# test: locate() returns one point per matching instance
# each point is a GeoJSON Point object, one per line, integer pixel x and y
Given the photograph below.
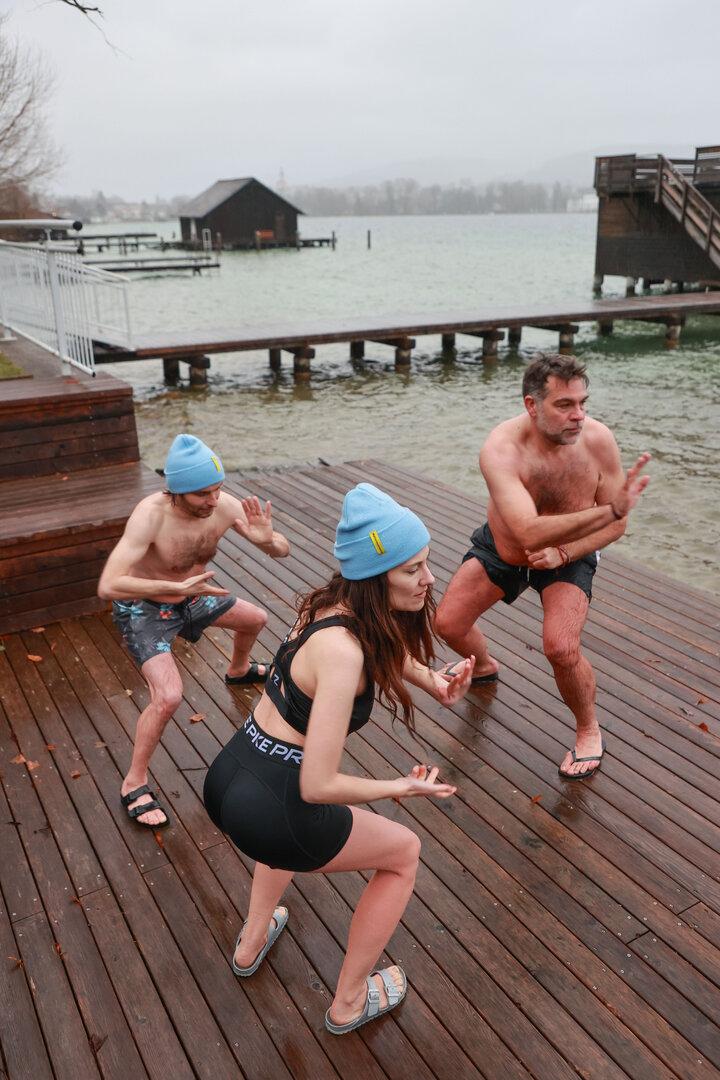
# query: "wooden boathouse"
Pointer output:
{"type": "Point", "coordinates": [240, 212]}
{"type": "Point", "coordinates": [555, 930]}
{"type": "Point", "coordinates": [659, 219]}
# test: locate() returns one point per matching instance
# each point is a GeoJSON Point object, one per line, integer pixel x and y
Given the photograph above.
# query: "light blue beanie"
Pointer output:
{"type": "Point", "coordinates": [191, 466]}
{"type": "Point", "coordinates": [375, 533]}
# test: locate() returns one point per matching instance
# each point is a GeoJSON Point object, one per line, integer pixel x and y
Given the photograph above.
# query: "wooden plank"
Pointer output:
{"type": "Point", "coordinates": [23, 1047]}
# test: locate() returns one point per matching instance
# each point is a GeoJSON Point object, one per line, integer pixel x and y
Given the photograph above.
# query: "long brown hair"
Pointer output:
{"type": "Point", "coordinates": [385, 636]}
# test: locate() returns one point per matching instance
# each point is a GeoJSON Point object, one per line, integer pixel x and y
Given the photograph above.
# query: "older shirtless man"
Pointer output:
{"type": "Point", "coordinates": [159, 586]}
{"type": "Point", "coordinates": [557, 494]}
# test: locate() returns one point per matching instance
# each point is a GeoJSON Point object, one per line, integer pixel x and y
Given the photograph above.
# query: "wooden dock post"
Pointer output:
{"type": "Point", "coordinates": [403, 352]}
{"type": "Point", "coordinates": [514, 336]}
{"type": "Point", "coordinates": [606, 327]}
{"type": "Point", "coordinates": [302, 355]}
{"type": "Point", "coordinates": [198, 369]}
{"type": "Point", "coordinates": [567, 334]}
{"type": "Point", "coordinates": [333, 240]}
{"type": "Point", "coordinates": [672, 333]}
{"type": "Point", "coordinates": [275, 356]}
{"type": "Point", "coordinates": [490, 340]}
{"type": "Point", "coordinates": [448, 343]}
{"type": "Point", "coordinates": [357, 350]}
{"type": "Point", "coordinates": [369, 239]}
{"type": "Point", "coordinates": [630, 283]}
{"type": "Point", "coordinates": [171, 370]}
{"type": "Point", "coordinates": [598, 284]}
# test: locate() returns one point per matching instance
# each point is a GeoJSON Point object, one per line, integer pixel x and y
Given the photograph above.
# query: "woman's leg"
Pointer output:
{"type": "Point", "coordinates": [267, 888]}
{"type": "Point", "coordinates": [392, 851]}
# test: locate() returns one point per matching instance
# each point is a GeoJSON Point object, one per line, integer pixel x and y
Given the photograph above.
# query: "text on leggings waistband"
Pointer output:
{"type": "Point", "coordinates": [272, 747]}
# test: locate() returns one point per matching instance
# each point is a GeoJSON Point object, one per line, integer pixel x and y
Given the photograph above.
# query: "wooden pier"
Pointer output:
{"type": "Point", "coordinates": [555, 931]}
{"type": "Point", "coordinates": [399, 332]}
{"type": "Point", "coordinates": [146, 264]}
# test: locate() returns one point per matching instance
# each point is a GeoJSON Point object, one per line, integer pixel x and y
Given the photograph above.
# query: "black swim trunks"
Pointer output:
{"type": "Point", "coordinates": [149, 628]}
{"type": "Point", "coordinates": [252, 793]}
{"type": "Point", "coordinates": [513, 580]}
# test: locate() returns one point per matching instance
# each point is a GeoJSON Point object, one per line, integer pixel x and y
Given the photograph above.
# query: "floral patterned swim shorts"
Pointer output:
{"type": "Point", "coordinates": [149, 628]}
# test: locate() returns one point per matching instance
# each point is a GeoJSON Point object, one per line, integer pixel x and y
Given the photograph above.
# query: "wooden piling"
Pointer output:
{"type": "Point", "coordinates": [198, 370]}
{"type": "Point", "coordinates": [672, 333]}
{"type": "Point", "coordinates": [606, 327]}
{"type": "Point", "coordinates": [630, 283]}
{"type": "Point", "coordinates": [369, 239]}
{"type": "Point", "coordinates": [275, 356]}
{"type": "Point", "coordinates": [566, 341]}
{"type": "Point", "coordinates": [403, 352]}
{"type": "Point", "coordinates": [357, 350]}
{"type": "Point", "coordinates": [490, 340]}
{"type": "Point", "coordinates": [514, 336]}
{"type": "Point", "coordinates": [448, 342]}
{"type": "Point", "coordinates": [598, 284]}
{"type": "Point", "coordinates": [171, 370]}
{"type": "Point", "coordinates": [302, 355]}
{"type": "Point", "coordinates": [333, 240]}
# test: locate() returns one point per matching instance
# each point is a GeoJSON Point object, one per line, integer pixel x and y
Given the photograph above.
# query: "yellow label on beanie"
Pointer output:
{"type": "Point", "coordinates": [215, 462]}
{"type": "Point", "coordinates": [377, 542]}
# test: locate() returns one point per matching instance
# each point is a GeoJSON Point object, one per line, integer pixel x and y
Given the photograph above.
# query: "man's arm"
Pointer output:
{"type": "Point", "coordinates": [118, 583]}
{"type": "Point", "coordinates": [534, 531]}
{"type": "Point", "coordinates": [255, 524]}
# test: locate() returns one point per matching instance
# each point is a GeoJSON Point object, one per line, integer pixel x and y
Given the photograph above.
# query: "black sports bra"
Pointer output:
{"type": "Point", "coordinates": [287, 697]}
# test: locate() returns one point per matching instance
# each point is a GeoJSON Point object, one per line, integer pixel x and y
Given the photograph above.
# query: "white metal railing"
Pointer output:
{"type": "Point", "coordinates": [51, 297]}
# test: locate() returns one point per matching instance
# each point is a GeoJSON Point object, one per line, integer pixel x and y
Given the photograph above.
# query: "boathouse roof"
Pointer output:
{"type": "Point", "coordinates": [220, 192]}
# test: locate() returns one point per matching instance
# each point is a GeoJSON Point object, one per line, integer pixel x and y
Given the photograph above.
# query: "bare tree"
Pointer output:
{"type": "Point", "coordinates": [27, 153]}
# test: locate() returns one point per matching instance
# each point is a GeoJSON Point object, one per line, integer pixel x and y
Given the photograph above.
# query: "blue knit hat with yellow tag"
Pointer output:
{"type": "Point", "coordinates": [191, 466]}
{"type": "Point", "coordinates": [375, 533]}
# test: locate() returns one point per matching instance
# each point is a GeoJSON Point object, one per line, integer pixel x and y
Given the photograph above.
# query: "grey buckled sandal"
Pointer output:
{"type": "Point", "coordinates": [280, 915]}
{"type": "Point", "coordinates": [372, 1008]}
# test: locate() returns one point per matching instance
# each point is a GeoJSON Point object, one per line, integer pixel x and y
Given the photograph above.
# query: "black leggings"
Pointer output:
{"type": "Point", "coordinates": [252, 793]}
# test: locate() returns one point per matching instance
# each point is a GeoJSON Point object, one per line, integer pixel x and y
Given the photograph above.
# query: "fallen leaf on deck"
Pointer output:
{"type": "Point", "coordinates": [58, 948]}
{"type": "Point", "coordinates": [19, 759]}
{"type": "Point", "coordinates": [38, 630]}
{"type": "Point", "coordinates": [96, 1042]}
{"type": "Point", "coordinates": [33, 765]}
{"type": "Point", "coordinates": [50, 746]}
{"type": "Point", "coordinates": [99, 745]}
{"type": "Point", "coordinates": [35, 659]}
{"type": "Point", "coordinates": [197, 718]}
{"type": "Point", "coordinates": [75, 900]}
{"type": "Point", "coordinates": [703, 726]}
{"type": "Point", "coordinates": [74, 774]}
{"type": "Point", "coordinates": [701, 701]}
{"type": "Point", "coordinates": [63, 477]}
{"type": "Point", "coordinates": [653, 660]}
{"type": "Point", "coordinates": [688, 712]}
{"type": "Point", "coordinates": [159, 839]}
{"type": "Point", "coordinates": [536, 798]}
{"type": "Point", "coordinates": [18, 962]}
{"type": "Point", "coordinates": [53, 647]}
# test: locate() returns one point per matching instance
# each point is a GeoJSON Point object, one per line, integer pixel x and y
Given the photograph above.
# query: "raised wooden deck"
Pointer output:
{"type": "Point", "coordinates": [556, 930]}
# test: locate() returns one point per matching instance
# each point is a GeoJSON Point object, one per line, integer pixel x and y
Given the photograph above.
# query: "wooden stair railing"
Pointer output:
{"type": "Point", "coordinates": [696, 214]}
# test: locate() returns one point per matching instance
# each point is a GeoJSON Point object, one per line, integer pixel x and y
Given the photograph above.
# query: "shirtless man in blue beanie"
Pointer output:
{"type": "Point", "coordinates": [159, 586]}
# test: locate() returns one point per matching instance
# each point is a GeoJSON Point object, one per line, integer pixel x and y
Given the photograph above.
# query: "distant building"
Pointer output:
{"type": "Point", "coordinates": [241, 212]}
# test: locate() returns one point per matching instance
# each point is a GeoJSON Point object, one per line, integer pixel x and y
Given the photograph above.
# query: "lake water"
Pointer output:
{"type": "Point", "coordinates": [434, 418]}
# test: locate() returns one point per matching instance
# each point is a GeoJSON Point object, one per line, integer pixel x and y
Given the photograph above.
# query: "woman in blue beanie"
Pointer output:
{"type": "Point", "coordinates": [276, 789]}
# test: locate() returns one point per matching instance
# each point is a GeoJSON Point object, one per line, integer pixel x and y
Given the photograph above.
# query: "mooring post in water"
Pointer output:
{"type": "Point", "coordinates": [333, 240]}
{"type": "Point", "coordinates": [357, 350]}
{"type": "Point", "coordinates": [302, 355]}
{"type": "Point", "coordinates": [606, 327]}
{"type": "Point", "coordinates": [672, 333]}
{"type": "Point", "coordinates": [514, 336]}
{"type": "Point", "coordinates": [171, 370]}
{"type": "Point", "coordinates": [369, 239]}
{"type": "Point", "coordinates": [598, 284]}
{"type": "Point", "coordinates": [448, 343]}
{"type": "Point", "coordinates": [567, 337]}
{"type": "Point", "coordinates": [275, 359]}
{"type": "Point", "coordinates": [198, 369]}
{"type": "Point", "coordinates": [490, 340]}
{"type": "Point", "coordinates": [630, 283]}
{"type": "Point", "coordinates": [403, 352]}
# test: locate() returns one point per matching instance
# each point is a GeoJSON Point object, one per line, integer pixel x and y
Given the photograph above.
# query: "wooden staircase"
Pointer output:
{"type": "Point", "coordinates": [680, 195]}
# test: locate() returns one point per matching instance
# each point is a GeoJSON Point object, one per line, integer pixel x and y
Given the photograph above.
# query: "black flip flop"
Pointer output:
{"type": "Point", "coordinates": [590, 772]}
{"type": "Point", "coordinates": [477, 680]}
{"type": "Point", "coordinates": [144, 808]}
{"type": "Point", "coordinates": [252, 675]}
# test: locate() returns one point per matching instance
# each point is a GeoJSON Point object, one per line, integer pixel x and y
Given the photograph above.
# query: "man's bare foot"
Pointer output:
{"type": "Point", "coordinates": [153, 818]}
{"type": "Point", "coordinates": [344, 1010]}
{"type": "Point", "coordinates": [588, 747]}
{"type": "Point", "coordinates": [486, 670]}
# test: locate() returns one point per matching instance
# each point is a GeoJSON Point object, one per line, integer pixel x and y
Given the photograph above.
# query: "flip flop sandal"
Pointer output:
{"type": "Point", "coordinates": [372, 1008]}
{"type": "Point", "coordinates": [477, 680]}
{"type": "Point", "coordinates": [280, 915]}
{"type": "Point", "coordinates": [252, 675]}
{"type": "Point", "coordinates": [590, 772]}
{"type": "Point", "coordinates": [143, 808]}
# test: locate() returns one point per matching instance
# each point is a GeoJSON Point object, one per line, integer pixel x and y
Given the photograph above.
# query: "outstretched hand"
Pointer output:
{"type": "Point", "coordinates": [422, 780]}
{"type": "Point", "coordinates": [453, 682]}
{"type": "Point", "coordinates": [632, 489]}
{"type": "Point", "coordinates": [200, 585]}
{"type": "Point", "coordinates": [257, 527]}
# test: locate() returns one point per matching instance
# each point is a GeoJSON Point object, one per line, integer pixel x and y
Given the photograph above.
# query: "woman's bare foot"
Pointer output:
{"type": "Point", "coordinates": [343, 1011]}
{"type": "Point", "coordinates": [153, 818]}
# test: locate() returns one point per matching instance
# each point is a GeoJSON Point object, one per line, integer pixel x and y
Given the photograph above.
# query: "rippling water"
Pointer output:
{"type": "Point", "coordinates": [434, 418]}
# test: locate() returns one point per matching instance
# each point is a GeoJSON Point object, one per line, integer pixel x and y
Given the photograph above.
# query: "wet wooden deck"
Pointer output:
{"type": "Point", "coordinates": [555, 930]}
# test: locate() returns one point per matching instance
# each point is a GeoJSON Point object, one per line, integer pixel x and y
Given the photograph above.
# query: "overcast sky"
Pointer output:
{"type": "Point", "coordinates": [196, 90]}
